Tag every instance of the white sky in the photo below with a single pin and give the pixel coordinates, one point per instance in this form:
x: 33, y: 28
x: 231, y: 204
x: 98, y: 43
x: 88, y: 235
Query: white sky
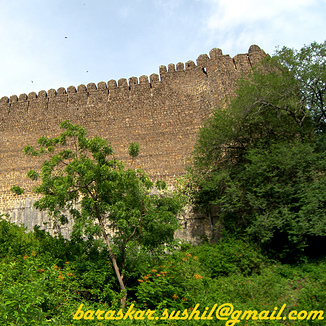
x: 59, y: 43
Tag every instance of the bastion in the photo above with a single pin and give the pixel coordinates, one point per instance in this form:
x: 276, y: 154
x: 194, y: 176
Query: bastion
x: 162, y: 112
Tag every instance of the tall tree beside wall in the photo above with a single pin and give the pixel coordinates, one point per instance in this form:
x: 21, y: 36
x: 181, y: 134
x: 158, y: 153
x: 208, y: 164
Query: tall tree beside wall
x: 261, y: 162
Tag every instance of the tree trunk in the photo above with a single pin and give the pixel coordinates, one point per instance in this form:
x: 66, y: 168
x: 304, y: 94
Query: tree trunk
x: 114, y: 262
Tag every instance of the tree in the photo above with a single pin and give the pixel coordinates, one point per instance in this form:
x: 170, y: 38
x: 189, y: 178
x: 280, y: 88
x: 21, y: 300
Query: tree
x: 308, y: 69
x: 83, y: 178
x: 260, y: 162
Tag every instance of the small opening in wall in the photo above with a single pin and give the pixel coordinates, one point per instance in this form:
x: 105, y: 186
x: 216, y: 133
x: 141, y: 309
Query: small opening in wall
x: 204, y: 71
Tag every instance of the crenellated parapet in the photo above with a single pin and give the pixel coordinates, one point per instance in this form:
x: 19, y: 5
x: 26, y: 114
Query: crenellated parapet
x: 215, y: 60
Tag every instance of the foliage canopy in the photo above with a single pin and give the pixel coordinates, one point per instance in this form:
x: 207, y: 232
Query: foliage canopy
x: 261, y: 161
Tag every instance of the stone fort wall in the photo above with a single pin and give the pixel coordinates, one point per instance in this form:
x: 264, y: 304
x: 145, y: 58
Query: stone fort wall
x: 162, y: 113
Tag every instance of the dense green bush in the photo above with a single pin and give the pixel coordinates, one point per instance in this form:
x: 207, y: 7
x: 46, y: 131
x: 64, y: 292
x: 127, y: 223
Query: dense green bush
x: 44, y: 285
x: 173, y: 283
x: 232, y: 255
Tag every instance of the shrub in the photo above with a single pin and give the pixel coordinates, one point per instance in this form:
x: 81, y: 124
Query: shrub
x: 229, y: 256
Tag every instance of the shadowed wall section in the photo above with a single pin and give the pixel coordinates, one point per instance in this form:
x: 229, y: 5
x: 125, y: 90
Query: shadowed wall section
x: 161, y: 112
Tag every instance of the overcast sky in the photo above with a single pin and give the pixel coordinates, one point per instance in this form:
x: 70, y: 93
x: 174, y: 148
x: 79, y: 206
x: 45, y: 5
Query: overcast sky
x: 59, y: 43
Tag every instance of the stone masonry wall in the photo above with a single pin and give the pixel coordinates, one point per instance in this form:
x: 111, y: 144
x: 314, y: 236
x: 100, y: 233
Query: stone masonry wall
x: 162, y: 113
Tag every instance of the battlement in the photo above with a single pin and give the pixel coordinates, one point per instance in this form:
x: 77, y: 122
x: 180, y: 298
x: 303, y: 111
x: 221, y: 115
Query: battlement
x: 241, y: 62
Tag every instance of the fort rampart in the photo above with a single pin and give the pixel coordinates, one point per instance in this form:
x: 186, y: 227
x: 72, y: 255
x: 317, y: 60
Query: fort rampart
x: 162, y: 113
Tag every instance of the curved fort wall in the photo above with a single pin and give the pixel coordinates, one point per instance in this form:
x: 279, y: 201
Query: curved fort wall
x: 162, y: 113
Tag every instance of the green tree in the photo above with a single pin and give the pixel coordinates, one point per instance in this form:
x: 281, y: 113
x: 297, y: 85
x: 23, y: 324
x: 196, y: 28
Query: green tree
x: 84, y: 179
x: 308, y: 69
x: 261, y: 162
